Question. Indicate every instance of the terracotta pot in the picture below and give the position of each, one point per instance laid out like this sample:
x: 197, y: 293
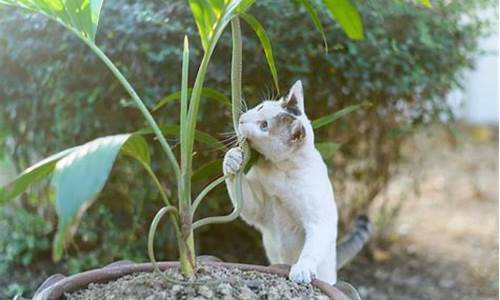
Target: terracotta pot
x: 56, y: 285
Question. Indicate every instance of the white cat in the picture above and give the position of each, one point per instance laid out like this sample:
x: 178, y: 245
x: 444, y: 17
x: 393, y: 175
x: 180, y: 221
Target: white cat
x: 287, y: 195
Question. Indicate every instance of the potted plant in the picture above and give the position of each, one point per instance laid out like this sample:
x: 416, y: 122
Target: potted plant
x: 79, y: 173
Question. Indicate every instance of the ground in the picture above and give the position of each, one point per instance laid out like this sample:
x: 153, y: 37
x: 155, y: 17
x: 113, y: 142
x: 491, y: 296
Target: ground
x: 446, y: 237
x: 444, y: 244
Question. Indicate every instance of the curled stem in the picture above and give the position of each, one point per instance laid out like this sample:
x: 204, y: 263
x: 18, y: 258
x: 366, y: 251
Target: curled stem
x: 151, y: 236
x: 237, y: 204
x: 207, y: 190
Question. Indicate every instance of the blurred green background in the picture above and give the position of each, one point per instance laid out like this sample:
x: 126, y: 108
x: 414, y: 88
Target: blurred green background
x: 54, y: 93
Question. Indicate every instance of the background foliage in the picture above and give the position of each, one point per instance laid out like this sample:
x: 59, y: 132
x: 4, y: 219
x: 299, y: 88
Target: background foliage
x: 55, y: 93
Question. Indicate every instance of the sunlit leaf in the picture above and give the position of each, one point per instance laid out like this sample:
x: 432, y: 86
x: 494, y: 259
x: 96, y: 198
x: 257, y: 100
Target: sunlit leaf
x: 81, y: 15
x: 426, y: 3
x: 205, y: 92
x: 209, y: 13
x: 81, y: 175
x: 31, y: 175
x: 137, y: 147
x: 347, y: 16
x: 266, y: 45
x: 245, y: 5
x: 204, y: 17
x: 323, y: 121
x: 314, y: 17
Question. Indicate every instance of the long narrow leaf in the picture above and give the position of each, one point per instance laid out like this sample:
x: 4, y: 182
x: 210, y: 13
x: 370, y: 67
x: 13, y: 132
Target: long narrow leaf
x: 347, y: 16
x: 206, y: 92
x: 323, y: 121
x: 184, y: 102
x: 314, y: 17
x: 266, y: 45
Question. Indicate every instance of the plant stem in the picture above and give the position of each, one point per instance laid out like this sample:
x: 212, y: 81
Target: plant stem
x: 205, y: 191
x: 187, y: 259
x: 236, y: 68
x: 236, y: 73
x: 186, y: 239
x: 157, y: 184
x: 151, y: 235
x: 138, y: 101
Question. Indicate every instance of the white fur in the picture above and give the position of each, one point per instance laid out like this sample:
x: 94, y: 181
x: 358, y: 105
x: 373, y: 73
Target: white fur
x: 288, y: 196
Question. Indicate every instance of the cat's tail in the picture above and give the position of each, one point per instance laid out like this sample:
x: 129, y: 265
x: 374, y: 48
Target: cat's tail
x: 352, y: 244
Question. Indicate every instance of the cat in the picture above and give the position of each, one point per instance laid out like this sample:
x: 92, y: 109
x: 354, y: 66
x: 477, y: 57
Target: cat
x: 287, y: 194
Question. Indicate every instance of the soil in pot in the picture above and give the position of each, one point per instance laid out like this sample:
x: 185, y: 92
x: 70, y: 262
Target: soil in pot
x: 213, y: 282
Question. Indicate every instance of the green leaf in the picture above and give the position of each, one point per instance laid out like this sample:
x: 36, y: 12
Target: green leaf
x: 266, y: 45
x: 204, y: 17
x: 80, y: 15
x: 320, y: 122
x: 245, y: 5
x: 184, y: 103
x: 327, y: 149
x: 200, y: 136
x: 207, y: 170
x: 347, y: 16
x: 205, y: 92
x: 426, y: 3
x: 314, y: 17
x: 81, y: 175
x: 137, y: 147
x: 31, y: 175
x: 207, y: 13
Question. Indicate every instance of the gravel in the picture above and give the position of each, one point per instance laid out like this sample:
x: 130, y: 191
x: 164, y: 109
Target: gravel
x: 210, y: 283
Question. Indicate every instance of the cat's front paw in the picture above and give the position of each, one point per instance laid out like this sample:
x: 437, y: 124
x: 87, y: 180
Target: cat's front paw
x: 233, y: 160
x: 302, y: 273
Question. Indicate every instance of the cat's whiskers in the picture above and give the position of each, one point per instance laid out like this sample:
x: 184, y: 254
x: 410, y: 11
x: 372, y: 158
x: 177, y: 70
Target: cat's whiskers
x: 226, y: 134
x: 226, y: 143
x: 228, y: 139
x: 244, y: 106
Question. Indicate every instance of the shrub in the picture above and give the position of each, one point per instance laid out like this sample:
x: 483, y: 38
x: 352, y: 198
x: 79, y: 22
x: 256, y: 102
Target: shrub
x: 404, y: 68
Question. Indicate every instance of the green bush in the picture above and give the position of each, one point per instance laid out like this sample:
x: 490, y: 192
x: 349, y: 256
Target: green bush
x: 22, y: 237
x: 410, y: 59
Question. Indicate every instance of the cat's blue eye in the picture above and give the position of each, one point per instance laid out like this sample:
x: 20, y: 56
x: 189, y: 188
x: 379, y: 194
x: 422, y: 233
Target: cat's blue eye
x: 264, y: 126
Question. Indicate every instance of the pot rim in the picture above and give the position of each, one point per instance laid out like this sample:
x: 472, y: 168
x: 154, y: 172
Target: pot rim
x: 118, y: 269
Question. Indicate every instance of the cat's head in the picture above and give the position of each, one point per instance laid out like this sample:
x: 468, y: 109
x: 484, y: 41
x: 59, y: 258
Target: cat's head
x: 277, y: 129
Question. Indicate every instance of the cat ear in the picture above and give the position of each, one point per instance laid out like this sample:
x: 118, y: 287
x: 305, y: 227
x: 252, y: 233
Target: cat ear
x: 295, y: 99
x: 297, y: 133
